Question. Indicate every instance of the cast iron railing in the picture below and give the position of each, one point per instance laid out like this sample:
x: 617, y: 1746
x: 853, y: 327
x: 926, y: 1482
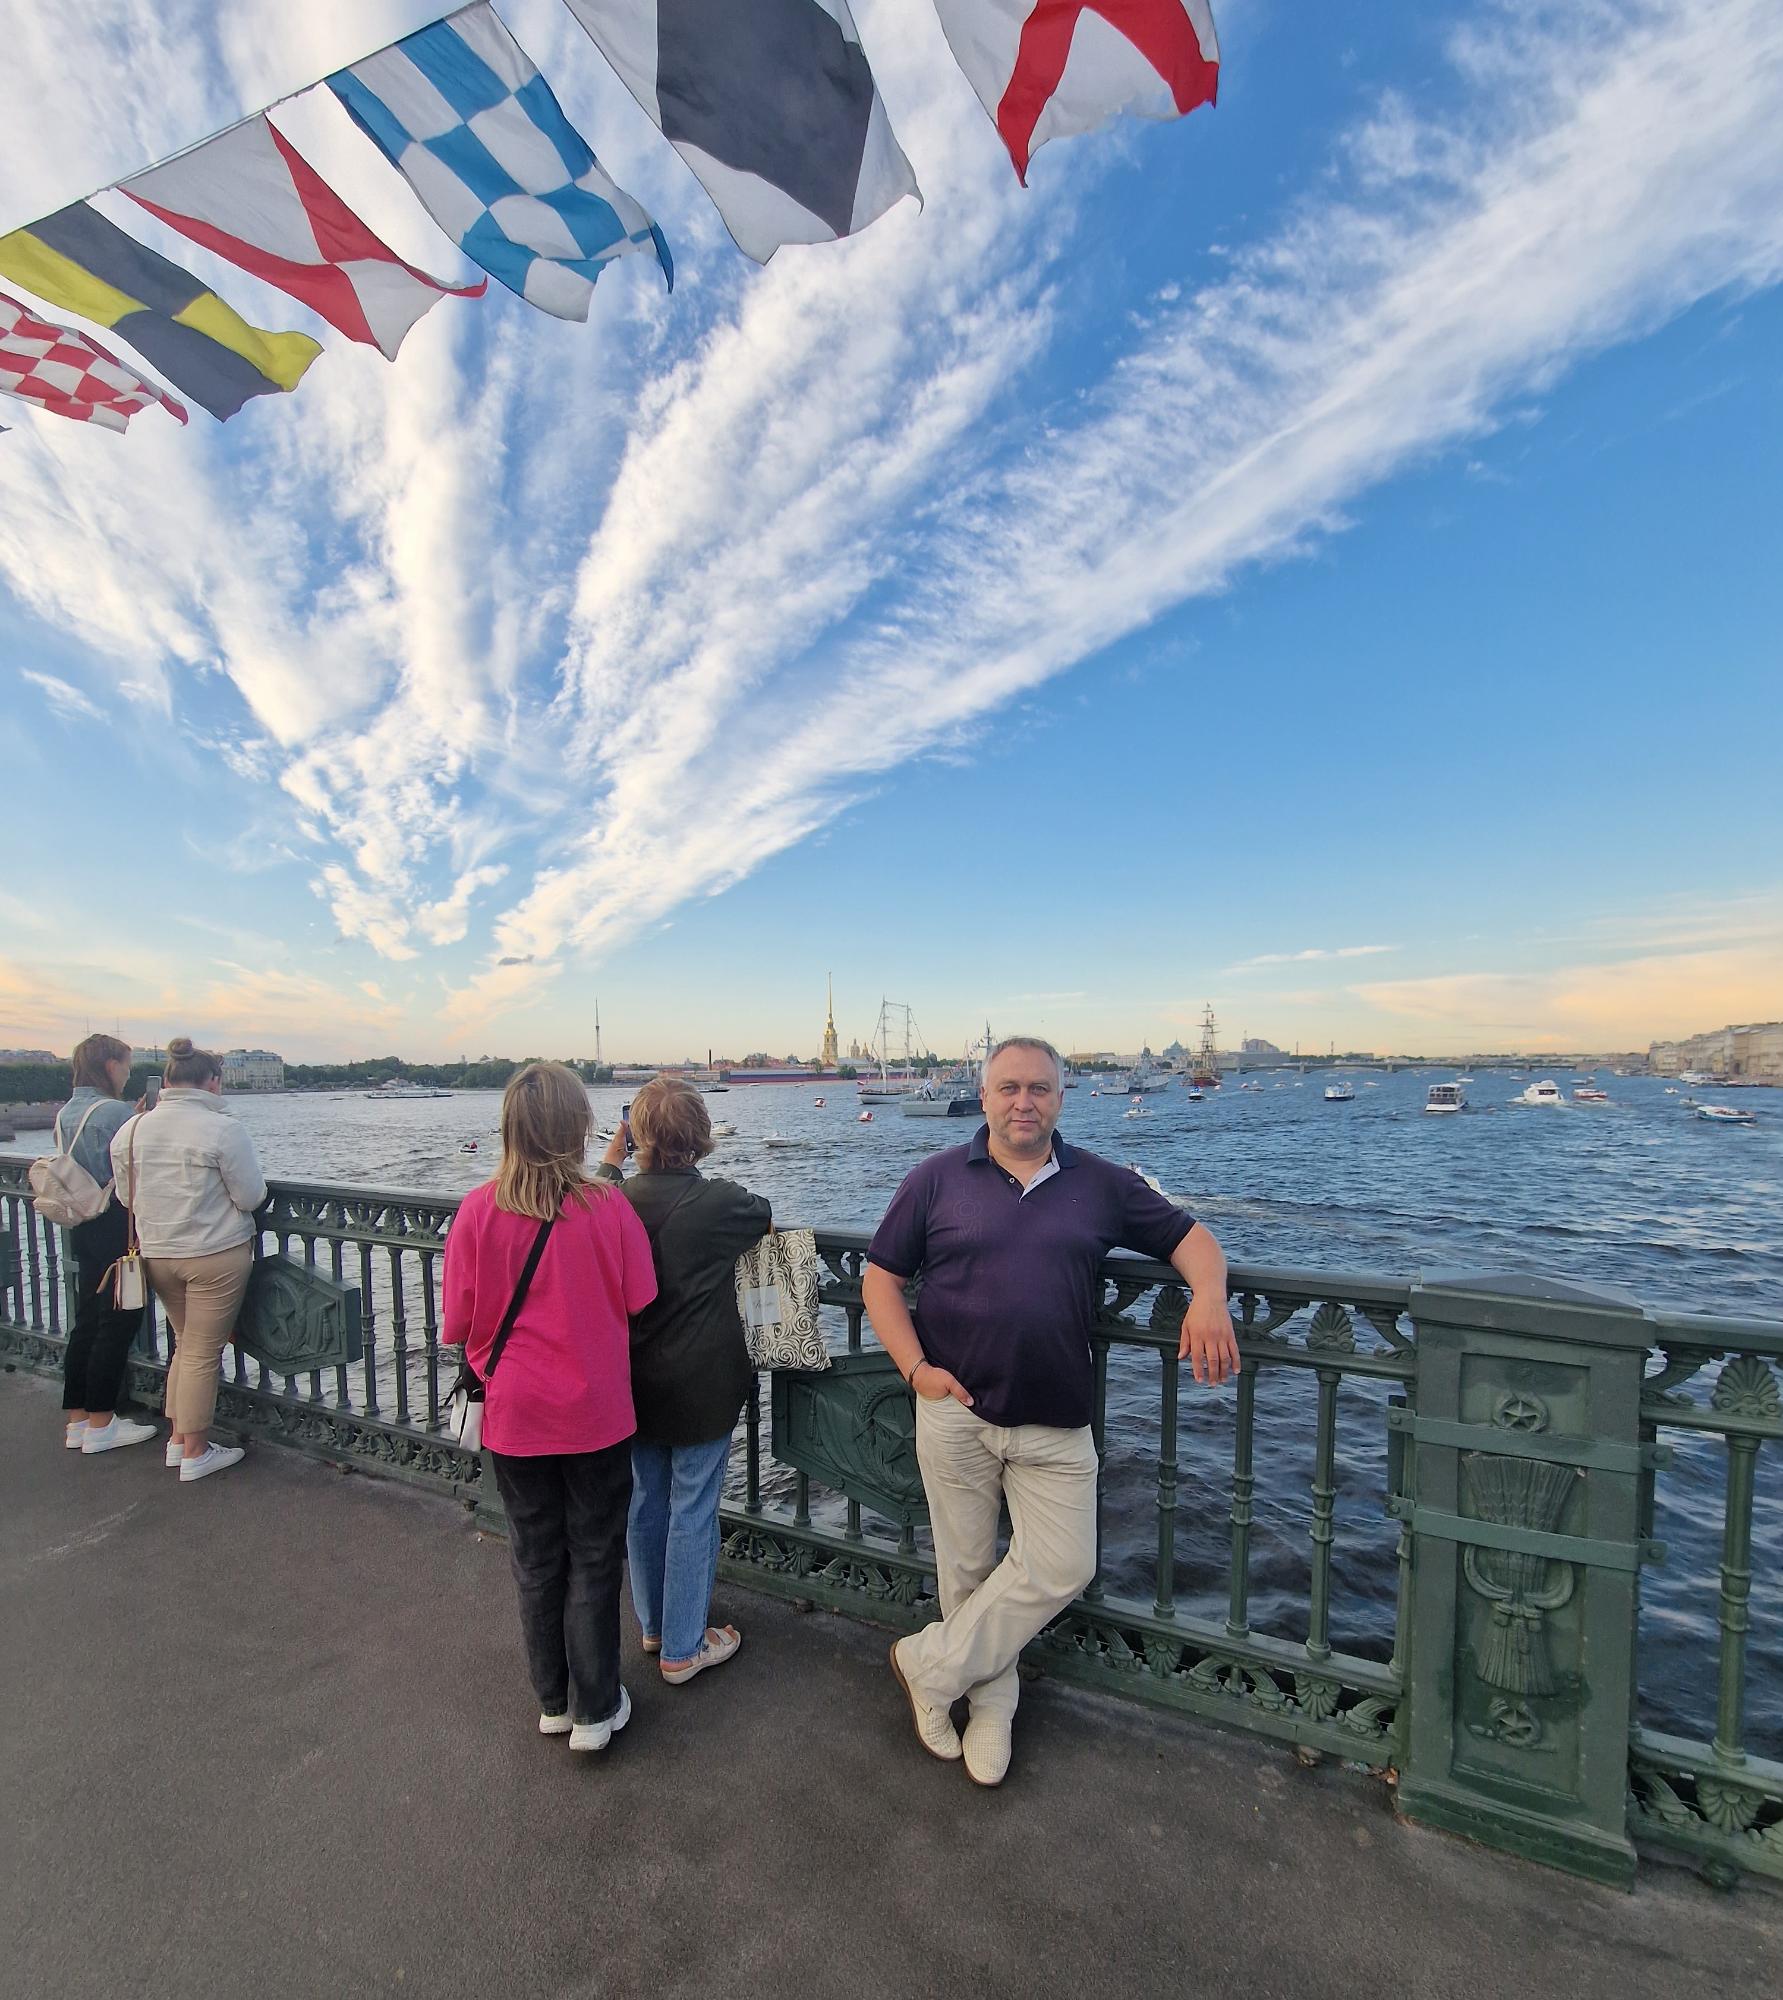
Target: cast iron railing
x: 827, y: 1507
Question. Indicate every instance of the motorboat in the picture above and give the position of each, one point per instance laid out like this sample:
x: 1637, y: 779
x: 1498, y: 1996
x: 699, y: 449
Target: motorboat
x: 1253, y: 1086
x: 724, y: 1129
x: 1546, y: 1091
x: 780, y: 1141
x: 1445, y: 1097
x: 1727, y: 1114
x: 467, y: 1145
x: 1694, y: 1076
x: 1339, y: 1093
x: 819, y: 1102
x: 1136, y: 1109
x: 400, y: 1088
x: 1589, y: 1093
x: 1196, y: 1093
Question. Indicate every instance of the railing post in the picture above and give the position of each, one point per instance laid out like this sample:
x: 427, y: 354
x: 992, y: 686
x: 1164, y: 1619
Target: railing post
x: 1524, y: 1516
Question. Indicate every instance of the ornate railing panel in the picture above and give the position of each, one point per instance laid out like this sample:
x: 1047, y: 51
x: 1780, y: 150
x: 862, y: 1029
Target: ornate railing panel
x: 827, y: 1507
x: 1718, y: 1379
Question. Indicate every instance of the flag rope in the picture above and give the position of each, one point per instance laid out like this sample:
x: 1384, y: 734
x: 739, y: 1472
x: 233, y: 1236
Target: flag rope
x: 246, y: 118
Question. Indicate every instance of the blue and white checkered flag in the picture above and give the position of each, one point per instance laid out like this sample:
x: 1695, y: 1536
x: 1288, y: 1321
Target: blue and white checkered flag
x: 459, y: 109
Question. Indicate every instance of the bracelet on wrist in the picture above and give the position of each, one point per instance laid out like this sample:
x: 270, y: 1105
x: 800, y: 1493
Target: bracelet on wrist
x: 922, y: 1361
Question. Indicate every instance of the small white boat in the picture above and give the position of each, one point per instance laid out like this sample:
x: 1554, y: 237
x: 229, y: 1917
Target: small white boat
x: 1196, y: 1096
x: 1547, y: 1091
x: 863, y: 1118
x: 1253, y: 1086
x: 1339, y: 1093
x: 1727, y: 1114
x: 1671, y: 1090
x: 724, y: 1129
x: 1588, y: 1093
x: 781, y: 1140
x: 467, y: 1145
x: 819, y: 1102
x: 1445, y: 1097
x: 1464, y: 1079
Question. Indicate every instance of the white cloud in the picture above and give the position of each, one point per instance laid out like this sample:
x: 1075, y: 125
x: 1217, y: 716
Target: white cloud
x: 1312, y: 952
x: 64, y: 697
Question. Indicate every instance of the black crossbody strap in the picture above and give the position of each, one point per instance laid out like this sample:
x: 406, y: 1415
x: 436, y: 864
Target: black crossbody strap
x: 519, y: 1298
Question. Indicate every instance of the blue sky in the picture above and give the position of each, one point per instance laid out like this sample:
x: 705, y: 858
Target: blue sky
x: 1318, y: 557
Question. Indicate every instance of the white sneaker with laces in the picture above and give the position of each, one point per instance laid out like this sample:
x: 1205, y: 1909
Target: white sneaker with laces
x: 597, y: 1735
x: 986, y: 1744
x: 74, y: 1435
x: 934, y: 1726
x: 176, y: 1454
x: 555, y: 1725
x: 213, y: 1458
x: 119, y: 1432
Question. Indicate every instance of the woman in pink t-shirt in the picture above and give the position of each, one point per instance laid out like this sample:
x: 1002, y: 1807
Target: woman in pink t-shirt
x: 558, y: 1416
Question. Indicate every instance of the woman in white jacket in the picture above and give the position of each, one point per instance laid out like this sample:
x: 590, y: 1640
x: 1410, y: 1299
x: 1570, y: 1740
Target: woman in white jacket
x: 188, y: 1172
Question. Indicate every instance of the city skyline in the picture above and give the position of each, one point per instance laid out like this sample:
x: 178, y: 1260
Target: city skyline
x: 1184, y: 581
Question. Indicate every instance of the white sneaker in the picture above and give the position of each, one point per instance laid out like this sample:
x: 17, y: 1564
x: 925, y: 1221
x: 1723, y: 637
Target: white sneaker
x: 597, y: 1735
x: 986, y: 1744
x: 934, y: 1726
x: 176, y: 1453
x: 555, y: 1725
x: 74, y: 1435
x: 213, y: 1458
x: 119, y: 1432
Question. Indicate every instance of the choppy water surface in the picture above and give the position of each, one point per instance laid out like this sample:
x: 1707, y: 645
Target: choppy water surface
x: 1635, y: 1194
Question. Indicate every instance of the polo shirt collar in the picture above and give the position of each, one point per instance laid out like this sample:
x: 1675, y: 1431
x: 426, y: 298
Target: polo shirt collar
x: 980, y: 1148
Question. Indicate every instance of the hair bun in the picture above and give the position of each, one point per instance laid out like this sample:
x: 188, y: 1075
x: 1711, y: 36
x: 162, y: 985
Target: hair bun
x: 181, y: 1045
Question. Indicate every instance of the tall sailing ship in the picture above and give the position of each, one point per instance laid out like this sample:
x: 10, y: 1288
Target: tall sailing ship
x: 1206, y: 1073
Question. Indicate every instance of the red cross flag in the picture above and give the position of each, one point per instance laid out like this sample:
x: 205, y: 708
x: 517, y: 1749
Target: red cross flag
x: 1048, y: 68
x: 70, y: 374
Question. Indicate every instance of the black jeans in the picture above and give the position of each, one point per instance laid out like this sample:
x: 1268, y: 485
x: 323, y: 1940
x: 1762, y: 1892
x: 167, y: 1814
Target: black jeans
x: 100, y: 1339
x: 566, y: 1540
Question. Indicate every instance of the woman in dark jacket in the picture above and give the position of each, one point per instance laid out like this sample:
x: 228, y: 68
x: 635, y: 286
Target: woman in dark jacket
x: 690, y: 1372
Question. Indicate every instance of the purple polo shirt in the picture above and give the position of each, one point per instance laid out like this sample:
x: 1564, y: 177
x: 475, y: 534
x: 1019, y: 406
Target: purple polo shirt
x: 1009, y: 1287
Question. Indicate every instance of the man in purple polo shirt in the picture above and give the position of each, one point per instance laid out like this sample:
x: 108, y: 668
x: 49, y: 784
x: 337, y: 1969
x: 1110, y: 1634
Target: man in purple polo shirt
x: 1008, y: 1234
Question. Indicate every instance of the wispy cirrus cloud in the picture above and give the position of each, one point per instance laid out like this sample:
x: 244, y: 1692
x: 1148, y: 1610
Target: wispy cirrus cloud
x: 64, y: 698
x: 1311, y: 953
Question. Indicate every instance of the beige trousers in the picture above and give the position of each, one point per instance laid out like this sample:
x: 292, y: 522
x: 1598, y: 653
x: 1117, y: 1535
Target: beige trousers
x: 991, y: 1609
x: 201, y: 1296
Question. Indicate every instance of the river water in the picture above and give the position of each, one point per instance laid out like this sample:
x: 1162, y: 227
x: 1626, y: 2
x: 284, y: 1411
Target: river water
x: 1635, y: 1194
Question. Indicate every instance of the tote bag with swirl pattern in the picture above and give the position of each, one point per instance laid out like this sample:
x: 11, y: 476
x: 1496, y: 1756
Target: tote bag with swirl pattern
x: 777, y: 1300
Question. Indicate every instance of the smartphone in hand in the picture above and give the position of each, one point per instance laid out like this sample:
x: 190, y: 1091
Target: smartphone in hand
x: 151, y: 1093
x: 625, y: 1127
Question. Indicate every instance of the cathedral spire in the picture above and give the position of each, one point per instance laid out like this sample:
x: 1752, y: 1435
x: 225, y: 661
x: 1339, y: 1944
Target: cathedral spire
x: 829, y: 1026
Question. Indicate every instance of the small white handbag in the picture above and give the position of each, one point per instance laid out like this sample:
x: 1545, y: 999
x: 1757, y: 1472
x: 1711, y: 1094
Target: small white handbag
x: 129, y: 1275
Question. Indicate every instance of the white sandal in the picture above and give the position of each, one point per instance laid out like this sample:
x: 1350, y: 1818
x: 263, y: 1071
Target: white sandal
x: 719, y: 1643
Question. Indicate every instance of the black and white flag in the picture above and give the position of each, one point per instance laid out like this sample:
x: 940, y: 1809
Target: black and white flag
x: 771, y: 104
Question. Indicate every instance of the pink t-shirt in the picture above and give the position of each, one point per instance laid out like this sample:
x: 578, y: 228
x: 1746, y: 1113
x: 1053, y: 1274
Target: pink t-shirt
x: 564, y: 1382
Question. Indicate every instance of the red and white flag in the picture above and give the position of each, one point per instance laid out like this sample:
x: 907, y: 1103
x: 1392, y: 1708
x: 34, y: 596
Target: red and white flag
x: 250, y: 196
x: 69, y: 373
x: 1048, y: 68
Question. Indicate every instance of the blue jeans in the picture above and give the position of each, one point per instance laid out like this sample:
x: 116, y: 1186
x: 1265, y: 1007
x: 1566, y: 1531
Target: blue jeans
x: 672, y: 1539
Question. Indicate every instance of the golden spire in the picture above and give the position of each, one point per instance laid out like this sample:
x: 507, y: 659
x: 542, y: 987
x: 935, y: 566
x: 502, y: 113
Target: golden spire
x: 829, y: 1027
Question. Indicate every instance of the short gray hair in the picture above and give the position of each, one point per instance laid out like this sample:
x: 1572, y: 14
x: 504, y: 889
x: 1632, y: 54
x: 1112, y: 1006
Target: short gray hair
x: 1024, y: 1042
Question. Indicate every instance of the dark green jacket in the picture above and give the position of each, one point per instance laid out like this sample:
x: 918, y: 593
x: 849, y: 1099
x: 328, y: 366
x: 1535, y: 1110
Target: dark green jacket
x: 690, y: 1370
